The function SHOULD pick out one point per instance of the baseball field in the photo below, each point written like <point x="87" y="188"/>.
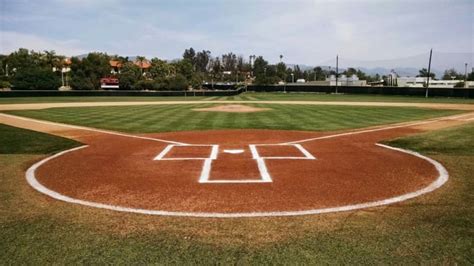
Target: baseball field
<point x="258" y="178"/>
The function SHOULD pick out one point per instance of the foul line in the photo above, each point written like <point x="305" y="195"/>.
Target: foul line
<point x="91" y="129"/>
<point x="440" y="181"/>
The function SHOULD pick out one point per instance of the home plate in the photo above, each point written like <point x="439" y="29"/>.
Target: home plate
<point x="233" y="151"/>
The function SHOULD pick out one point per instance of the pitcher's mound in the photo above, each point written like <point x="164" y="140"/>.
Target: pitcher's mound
<point x="232" y="108"/>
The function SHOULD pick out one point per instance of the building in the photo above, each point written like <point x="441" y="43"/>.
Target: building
<point x="411" y="81"/>
<point x="420" y="82"/>
<point x="343" y="80"/>
<point x="116" y="66"/>
<point x="143" y="64"/>
<point x="391" y="79"/>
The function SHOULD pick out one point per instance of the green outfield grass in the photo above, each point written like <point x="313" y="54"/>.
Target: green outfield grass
<point x="249" y="96"/>
<point x="432" y="229"/>
<point x="160" y="118"/>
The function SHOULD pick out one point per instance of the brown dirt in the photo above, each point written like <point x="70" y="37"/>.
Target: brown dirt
<point x="348" y="170"/>
<point x="232" y="108"/>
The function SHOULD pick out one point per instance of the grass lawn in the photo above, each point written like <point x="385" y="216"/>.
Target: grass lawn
<point x="156" y="118"/>
<point x="432" y="229"/>
<point x="302" y="96"/>
<point x="20" y="141"/>
<point x="249" y="96"/>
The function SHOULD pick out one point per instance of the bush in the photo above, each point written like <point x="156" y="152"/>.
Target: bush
<point x="79" y="81"/>
<point x="176" y="83"/>
<point x="4" y="84"/>
<point x="36" y="79"/>
<point x="146" y="85"/>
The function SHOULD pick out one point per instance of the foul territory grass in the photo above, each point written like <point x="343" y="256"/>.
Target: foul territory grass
<point x="432" y="229"/>
<point x="156" y="118"/>
<point x="16" y="141"/>
<point x="248" y="96"/>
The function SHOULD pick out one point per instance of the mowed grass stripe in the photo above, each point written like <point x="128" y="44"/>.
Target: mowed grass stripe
<point x="156" y="118"/>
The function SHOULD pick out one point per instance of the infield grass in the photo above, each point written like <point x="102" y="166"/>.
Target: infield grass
<point x="161" y="118"/>
<point x="433" y="229"/>
<point x="248" y="96"/>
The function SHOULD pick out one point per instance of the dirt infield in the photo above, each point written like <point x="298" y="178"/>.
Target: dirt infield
<point x="234" y="173"/>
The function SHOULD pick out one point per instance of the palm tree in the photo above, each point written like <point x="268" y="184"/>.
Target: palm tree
<point x="140" y="60"/>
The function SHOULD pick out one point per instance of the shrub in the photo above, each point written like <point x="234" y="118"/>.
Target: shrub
<point x="146" y="85"/>
<point x="4" y="84"/>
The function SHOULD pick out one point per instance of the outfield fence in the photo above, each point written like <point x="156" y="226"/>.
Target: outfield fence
<point x="229" y="90"/>
<point x="444" y="92"/>
<point x="51" y="93"/>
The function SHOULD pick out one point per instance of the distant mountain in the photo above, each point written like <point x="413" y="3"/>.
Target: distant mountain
<point x="408" y="66"/>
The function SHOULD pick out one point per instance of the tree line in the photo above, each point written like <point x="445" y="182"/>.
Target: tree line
<point x="25" y="69"/>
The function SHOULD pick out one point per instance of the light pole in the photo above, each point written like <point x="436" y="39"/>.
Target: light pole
<point x="292" y="78"/>
<point x="465" y="73"/>
<point x="337" y="70"/>
<point x="428" y="79"/>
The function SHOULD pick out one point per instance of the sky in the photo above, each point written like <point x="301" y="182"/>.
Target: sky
<point x="303" y="31"/>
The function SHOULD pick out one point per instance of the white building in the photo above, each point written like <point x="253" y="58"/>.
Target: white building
<point x="343" y="80"/>
<point x="392" y="78"/>
<point x="421" y="82"/>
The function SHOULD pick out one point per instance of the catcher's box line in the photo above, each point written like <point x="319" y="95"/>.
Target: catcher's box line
<point x="440" y="181"/>
<point x="205" y="177"/>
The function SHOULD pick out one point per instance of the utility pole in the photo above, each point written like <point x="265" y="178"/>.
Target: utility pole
<point x="465" y="73"/>
<point x="429" y="69"/>
<point x="337" y="70"/>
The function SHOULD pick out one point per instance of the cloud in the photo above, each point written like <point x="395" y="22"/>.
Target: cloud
<point x="11" y="41"/>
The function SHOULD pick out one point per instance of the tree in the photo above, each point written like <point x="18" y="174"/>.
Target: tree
<point x="319" y="73"/>
<point x="185" y="68"/>
<point x="350" y="71"/>
<point x="129" y="76"/>
<point x="89" y="70"/>
<point x="229" y="61"/>
<point x="470" y="76"/>
<point x="298" y="73"/>
<point x="281" y="71"/>
<point x="190" y="55"/>
<point x="424" y="73"/>
<point x="202" y="60"/>
<point x="260" y="70"/>
<point x="51" y="60"/>
<point x="452" y="74"/>
<point x="36" y="78"/>
<point x="160" y="69"/>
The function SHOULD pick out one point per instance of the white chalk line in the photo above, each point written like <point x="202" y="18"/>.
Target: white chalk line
<point x="379" y="129"/>
<point x="237" y="151"/>
<point x="440" y="181"/>
<point x="91" y="129"/>
<point x="204" y="177"/>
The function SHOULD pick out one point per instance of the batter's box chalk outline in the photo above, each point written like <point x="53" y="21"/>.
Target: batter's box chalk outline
<point x="204" y="177"/>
